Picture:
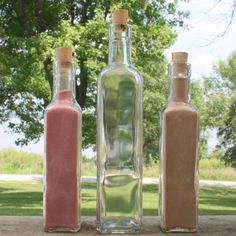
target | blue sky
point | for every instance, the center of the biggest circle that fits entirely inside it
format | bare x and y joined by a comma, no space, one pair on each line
207,21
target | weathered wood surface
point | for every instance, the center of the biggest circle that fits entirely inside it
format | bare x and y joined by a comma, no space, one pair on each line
32,226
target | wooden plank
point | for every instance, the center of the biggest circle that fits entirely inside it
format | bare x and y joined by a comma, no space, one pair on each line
32,226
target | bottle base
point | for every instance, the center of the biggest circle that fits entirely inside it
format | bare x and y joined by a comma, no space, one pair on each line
119,227
178,230
58,229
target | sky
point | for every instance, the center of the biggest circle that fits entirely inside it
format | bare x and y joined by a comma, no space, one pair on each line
208,19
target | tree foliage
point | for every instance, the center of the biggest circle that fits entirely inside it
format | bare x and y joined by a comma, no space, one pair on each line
220,91
29,32
198,99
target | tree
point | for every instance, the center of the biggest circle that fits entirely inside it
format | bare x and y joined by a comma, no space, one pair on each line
30,30
220,91
198,99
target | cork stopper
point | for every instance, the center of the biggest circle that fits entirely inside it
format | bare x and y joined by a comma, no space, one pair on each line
179,63
179,57
119,16
64,56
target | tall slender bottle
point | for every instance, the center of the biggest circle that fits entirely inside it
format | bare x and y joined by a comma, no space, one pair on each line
63,150
119,136
179,142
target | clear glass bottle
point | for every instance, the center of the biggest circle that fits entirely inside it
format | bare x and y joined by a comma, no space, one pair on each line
178,146
119,136
62,150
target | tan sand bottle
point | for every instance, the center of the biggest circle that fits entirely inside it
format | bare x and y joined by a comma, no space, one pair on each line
179,143
62,150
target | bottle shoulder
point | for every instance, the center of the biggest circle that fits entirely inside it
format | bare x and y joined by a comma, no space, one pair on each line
179,107
63,107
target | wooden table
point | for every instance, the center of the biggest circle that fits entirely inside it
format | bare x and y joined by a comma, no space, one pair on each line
32,226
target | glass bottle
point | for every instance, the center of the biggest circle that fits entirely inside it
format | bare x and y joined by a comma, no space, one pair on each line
178,146
119,136
62,150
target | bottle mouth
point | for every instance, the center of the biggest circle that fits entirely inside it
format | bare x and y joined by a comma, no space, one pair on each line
64,64
179,70
119,31
120,27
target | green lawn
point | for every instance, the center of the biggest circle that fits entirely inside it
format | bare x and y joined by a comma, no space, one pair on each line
25,198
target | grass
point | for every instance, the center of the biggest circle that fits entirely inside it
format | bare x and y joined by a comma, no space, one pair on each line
89,168
25,198
20,198
13,161
217,201
18,162
214,169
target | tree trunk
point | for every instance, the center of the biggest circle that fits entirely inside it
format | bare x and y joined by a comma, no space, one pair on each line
48,72
82,88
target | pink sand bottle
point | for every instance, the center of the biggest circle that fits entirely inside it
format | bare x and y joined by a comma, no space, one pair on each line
63,150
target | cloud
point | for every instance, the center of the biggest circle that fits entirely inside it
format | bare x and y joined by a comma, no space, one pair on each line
202,64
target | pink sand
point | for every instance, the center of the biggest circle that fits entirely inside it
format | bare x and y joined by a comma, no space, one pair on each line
61,200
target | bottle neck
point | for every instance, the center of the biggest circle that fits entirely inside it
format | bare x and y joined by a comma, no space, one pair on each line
119,44
64,87
179,74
